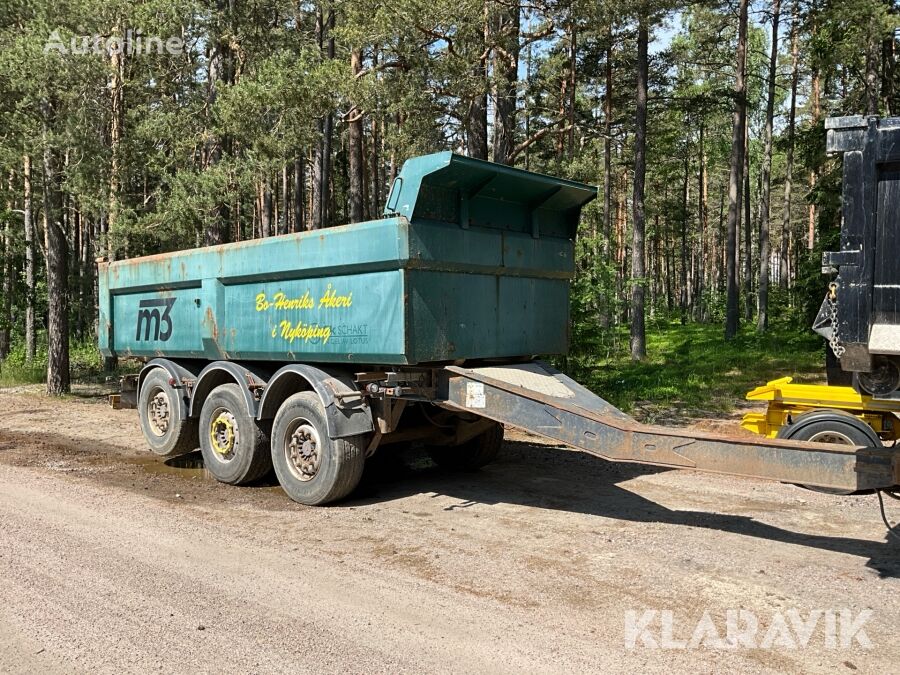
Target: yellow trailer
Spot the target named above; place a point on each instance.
(826, 414)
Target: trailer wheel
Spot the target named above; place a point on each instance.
(473, 454)
(234, 447)
(830, 426)
(311, 467)
(166, 428)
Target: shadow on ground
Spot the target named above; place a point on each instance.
(526, 474)
(556, 478)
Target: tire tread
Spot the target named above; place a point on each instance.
(260, 458)
(186, 439)
(348, 453)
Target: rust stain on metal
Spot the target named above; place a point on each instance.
(213, 326)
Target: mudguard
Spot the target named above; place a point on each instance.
(250, 378)
(346, 411)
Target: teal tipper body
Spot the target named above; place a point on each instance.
(471, 261)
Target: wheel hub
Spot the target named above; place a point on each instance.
(223, 434)
(302, 452)
(158, 413)
(835, 437)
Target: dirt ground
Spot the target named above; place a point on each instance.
(113, 561)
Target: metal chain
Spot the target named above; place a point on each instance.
(834, 341)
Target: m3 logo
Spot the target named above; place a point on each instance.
(151, 320)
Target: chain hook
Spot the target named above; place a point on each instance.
(835, 340)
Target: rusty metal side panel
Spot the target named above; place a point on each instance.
(332, 296)
(468, 316)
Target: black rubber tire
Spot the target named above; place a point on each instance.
(807, 426)
(341, 460)
(181, 435)
(250, 459)
(473, 454)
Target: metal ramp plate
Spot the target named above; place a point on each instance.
(528, 376)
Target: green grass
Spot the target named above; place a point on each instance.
(692, 368)
(12, 374)
(85, 362)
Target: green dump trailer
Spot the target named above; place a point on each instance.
(310, 351)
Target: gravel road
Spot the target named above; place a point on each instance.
(111, 561)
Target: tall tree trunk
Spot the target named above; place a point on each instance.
(748, 232)
(669, 253)
(683, 291)
(607, 145)
(654, 267)
(393, 168)
(265, 229)
(573, 80)
(322, 160)
(815, 112)
(722, 252)
(621, 226)
(607, 306)
(375, 184)
(477, 126)
(477, 136)
(565, 137)
(888, 66)
(762, 319)
(356, 184)
(8, 271)
(703, 215)
(638, 271)
(872, 63)
(299, 194)
(284, 209)
(57, 274)
(506, 76)
(736, 176)
(328, 139)
(28, 217)
(75, 273)
(117, 123)
(783, 276)
(86, 294)
(220, 70)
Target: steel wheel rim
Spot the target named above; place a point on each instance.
(302, 450)
(223, 434)
(158, 412)
(835, 437)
